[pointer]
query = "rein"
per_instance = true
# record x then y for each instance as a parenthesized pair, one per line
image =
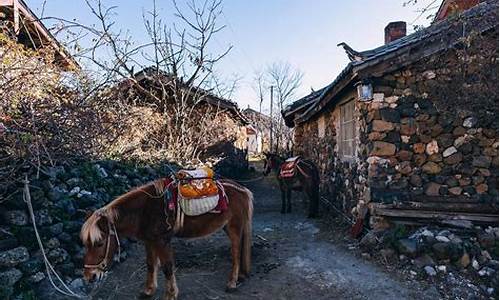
(104, 263)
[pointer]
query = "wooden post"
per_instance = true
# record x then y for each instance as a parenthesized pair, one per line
(15, 5)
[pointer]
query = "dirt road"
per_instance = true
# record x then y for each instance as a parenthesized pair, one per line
(290, 261)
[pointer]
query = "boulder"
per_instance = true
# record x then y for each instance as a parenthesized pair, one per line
(449, 151)
(407, 247)
(382, 126)
(481, 161)
(10, 277)
(13, 257)
(470, 122)
(432, 148)
(383, 149)
(440, 250)
(15, 217)
(453, 159)
(430, 271)
(432, 189)
(431, 168)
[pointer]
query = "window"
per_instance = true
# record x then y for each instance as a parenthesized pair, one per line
(321, 127)
(347, 145)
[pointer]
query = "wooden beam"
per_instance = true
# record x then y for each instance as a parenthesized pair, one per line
(16, 16)
(442, 206)
(6, 2)
(401, 213)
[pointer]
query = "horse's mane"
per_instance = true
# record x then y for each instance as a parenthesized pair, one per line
(91, 233)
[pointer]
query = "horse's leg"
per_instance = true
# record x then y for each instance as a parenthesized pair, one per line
(313, 195)
(289, 200)
(283, 189)
(166, 256)
(152, 267)
(234, 232)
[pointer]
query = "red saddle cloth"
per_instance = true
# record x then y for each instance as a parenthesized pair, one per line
(172, 196)
(287, 169)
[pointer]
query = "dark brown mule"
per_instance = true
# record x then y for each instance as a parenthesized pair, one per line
(140, 214)
(305, 179)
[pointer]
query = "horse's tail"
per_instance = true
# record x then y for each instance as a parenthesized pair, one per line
(246, 247)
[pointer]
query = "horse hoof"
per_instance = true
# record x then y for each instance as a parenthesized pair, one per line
(143, 295)
(231, 287)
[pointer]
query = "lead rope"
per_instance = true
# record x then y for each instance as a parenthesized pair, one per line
(48, 266)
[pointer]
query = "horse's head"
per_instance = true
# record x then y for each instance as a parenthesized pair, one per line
(271, 162)
(100, 238)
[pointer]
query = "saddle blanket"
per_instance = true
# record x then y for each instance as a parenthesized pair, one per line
(287, 169)
(195, 192)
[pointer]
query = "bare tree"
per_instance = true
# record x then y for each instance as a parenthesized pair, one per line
(174, 72)
(260, 87)
(286, 80)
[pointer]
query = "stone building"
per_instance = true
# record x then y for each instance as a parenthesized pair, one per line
(408, 131)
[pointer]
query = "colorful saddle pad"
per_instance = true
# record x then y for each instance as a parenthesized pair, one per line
(287, 169)
(197, 192)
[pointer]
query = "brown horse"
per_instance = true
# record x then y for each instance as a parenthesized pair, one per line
(142, 214)
(305, 179)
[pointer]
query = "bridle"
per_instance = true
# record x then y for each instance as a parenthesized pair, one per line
(102, 266)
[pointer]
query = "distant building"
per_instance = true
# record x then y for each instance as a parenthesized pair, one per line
(258, 131)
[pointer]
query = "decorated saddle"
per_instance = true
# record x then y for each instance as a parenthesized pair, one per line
(288, 168)
(196, 192)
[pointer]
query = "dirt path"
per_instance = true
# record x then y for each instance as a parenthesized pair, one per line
(290, 261)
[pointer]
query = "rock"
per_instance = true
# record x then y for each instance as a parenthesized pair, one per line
(56, 229)
(74, 191)
(487, 240)
(101, 171)
(52, 243)
(15, 217)
(440, 250)
(6, 292)
(470, 122)
(431, 168)
(475, 264)
(430, 271)
(481, 161)
(42, 217)
(424, 260)
(383, 149)
(419, 148)
(486, 271)
(404, 155)
(416, 180)
(390, 115)
(481, 188)
(455, 191)
(10, 277)
(441, 238)
(369, 241)
(35, 278)
(382, 126)
(432, 189)
(31, 266)
(7, 243)
(408, 129)
(441, 268)
(13, 257)
(432, 148)
(464, 260)
(404, 168)
(387, 253)
(449, 151)
(407, 247)
(454, 159)
(58, 255)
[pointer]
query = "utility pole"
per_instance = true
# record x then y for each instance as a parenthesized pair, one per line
(271, 131)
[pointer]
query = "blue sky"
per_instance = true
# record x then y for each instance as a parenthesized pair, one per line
(302, 32)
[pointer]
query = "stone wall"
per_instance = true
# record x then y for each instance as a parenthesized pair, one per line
(433, 127)
(430, 130)
(342, 181)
